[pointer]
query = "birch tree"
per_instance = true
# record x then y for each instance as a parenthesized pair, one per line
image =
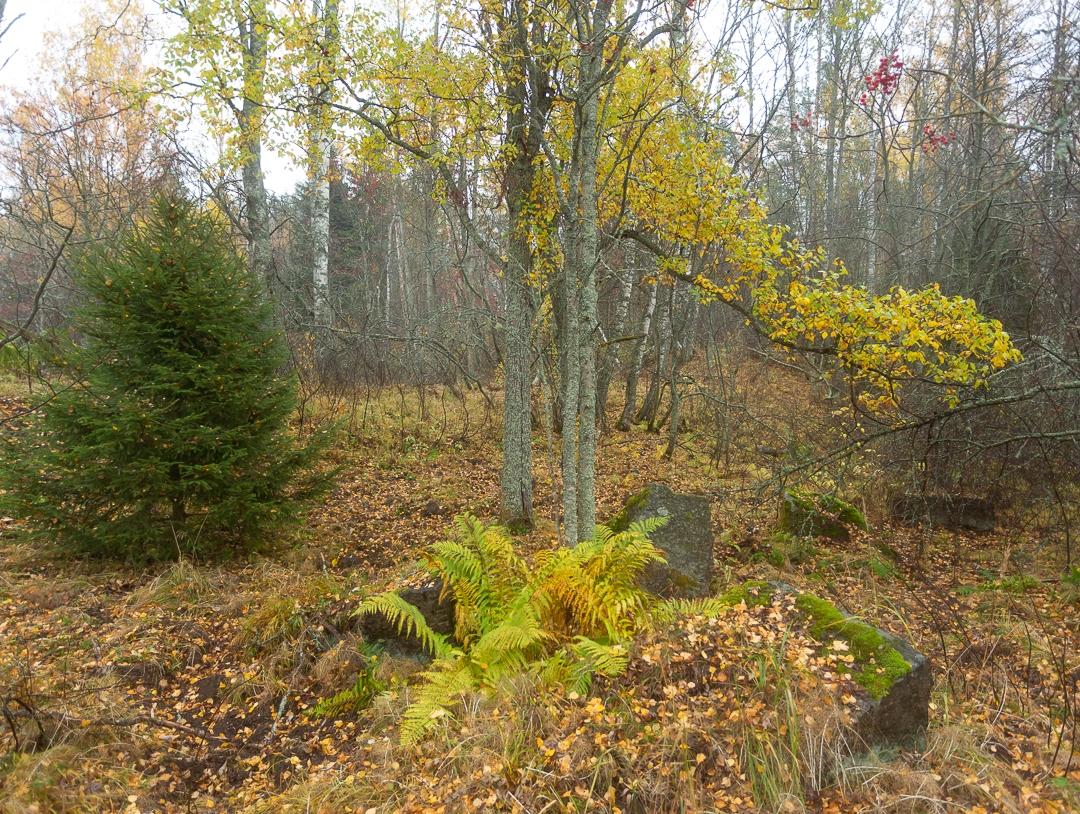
(325, 13)
(220, 57)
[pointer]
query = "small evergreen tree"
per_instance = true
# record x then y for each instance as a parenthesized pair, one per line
(171, 432)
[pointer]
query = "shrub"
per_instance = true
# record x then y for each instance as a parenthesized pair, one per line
(171, 435)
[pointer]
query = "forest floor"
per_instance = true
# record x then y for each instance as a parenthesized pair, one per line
(192, 686)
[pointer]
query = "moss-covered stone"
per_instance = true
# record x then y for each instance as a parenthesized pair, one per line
(878, 665)
(753, 593)
(843, 511)
(819, 515)
(620, 522)
(896, 679)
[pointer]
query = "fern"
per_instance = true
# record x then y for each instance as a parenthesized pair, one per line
(566, 614)
(408, 619)
(671, 609)
(596, 582)
(444, 683)
(481, 570)
(362, 692)
(596, 658)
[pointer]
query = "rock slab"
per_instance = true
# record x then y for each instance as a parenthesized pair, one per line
(904, 712)
(686, 539)
(943, 511)
(901, 714)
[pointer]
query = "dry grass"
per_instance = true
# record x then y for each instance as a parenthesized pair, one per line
(260, 629)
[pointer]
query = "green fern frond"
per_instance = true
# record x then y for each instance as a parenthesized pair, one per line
(444, 684)
(672, 609)
(606, 659)
(646, 526)
(591, 658)
(480, 568)
(508, 647)
(601, 534)
(408, 619)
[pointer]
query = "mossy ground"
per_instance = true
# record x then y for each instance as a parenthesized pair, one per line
(752, 593)
(878, 665)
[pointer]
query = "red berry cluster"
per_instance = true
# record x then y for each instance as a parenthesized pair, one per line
(884, 79)
(800, 123)
(932, 139)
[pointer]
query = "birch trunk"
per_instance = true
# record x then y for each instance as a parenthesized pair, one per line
(327, 12)
(632, 375)
(256, 208)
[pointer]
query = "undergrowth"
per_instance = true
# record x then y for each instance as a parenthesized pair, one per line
(567, 612)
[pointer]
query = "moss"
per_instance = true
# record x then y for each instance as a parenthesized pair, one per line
(1019, 584)
(843, 511)
(753, 593)
(878, 665)
(799, 516)
(882, 569)
(620, 522)
(680, 582)
(801, 500)
(519, 526)
(787, 548)
(887, 550)
(819, 515)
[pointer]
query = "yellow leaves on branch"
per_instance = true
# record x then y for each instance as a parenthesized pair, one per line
(686, 197)
(884, 340)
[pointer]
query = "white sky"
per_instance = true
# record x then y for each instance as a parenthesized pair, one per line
(22, 48)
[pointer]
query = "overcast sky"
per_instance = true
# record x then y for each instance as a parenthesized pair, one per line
(31, 20)
(22, 47)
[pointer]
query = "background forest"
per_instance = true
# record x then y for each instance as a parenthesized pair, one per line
(515, 260)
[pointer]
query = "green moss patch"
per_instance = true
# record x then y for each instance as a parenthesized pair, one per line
(1018, 584)
(818, 515)
(620, 522)
(878, 665)
(784, 549)
(843, 511)
(753, 593)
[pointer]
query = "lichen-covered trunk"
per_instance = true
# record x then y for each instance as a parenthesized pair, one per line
(256, 208)
(636, 364)
(612, 351)
(516, 483)
(571, 384)
(516, 475)
(589, 255)
(582, 253)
